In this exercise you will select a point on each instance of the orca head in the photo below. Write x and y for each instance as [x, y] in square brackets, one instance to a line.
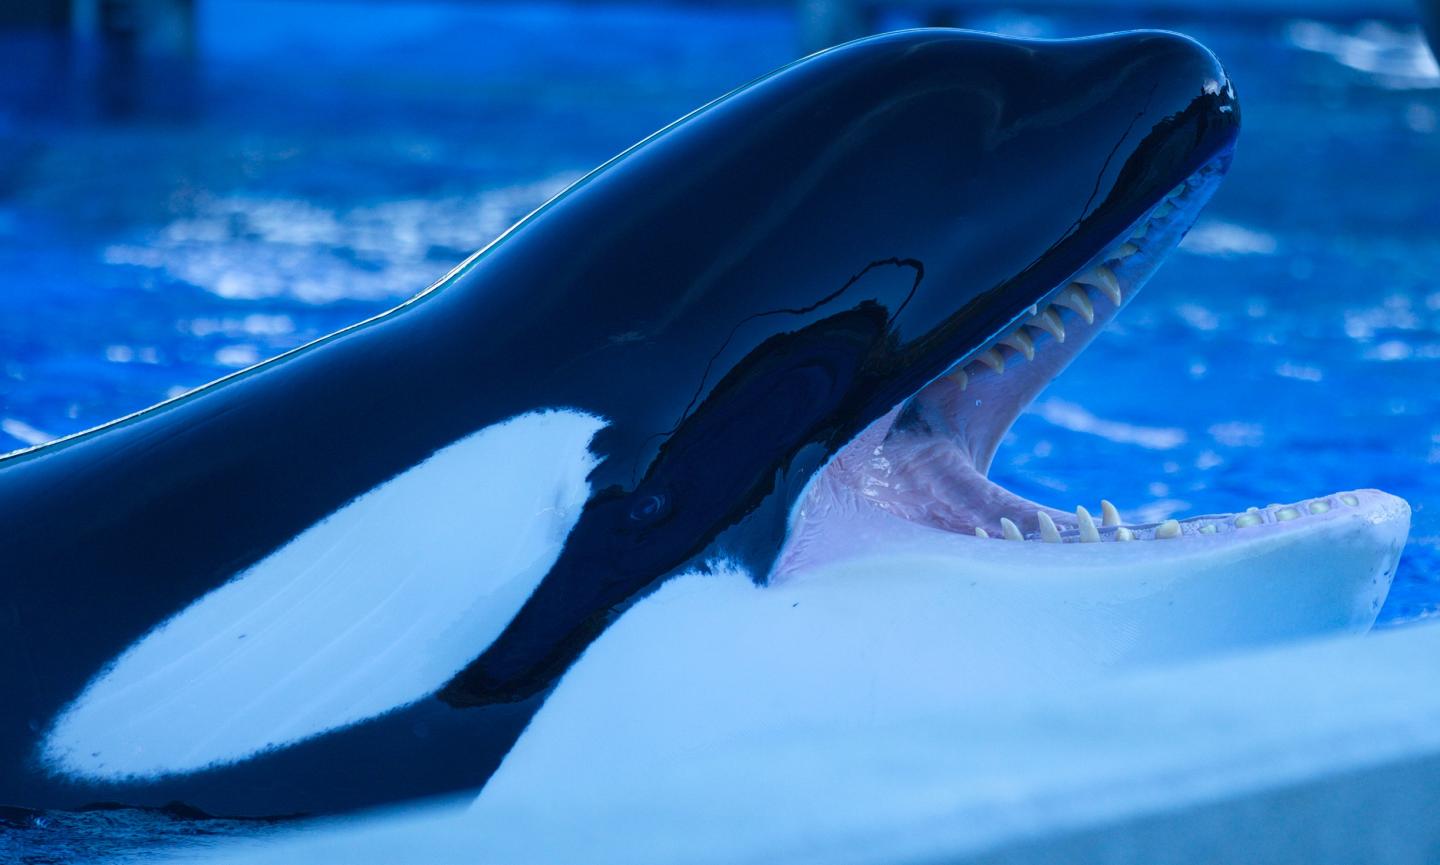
[1051, 241]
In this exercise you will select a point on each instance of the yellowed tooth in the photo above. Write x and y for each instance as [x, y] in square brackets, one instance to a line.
[1124, 534]
[1088, 533]
[1246, 520]
[1075, 298]
[1103, 278]
[1021, 342]
[1350, 500]
[1010, 530]
[1167, 529]
[960, 377]
[993, 359]
[981, 533]
[1049, 321]
[1109, 516]
[1287, 514]
[1048, 533]
[1319, 507]
[1208, 529]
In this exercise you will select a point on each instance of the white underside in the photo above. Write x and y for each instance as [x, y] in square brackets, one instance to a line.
[370, 610]
[921, 705]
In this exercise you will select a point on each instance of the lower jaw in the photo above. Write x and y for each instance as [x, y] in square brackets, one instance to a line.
[931, 481]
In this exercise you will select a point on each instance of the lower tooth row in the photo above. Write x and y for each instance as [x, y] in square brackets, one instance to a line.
[1089, 533]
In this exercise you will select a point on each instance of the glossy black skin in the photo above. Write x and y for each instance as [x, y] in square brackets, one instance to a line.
[739, 295]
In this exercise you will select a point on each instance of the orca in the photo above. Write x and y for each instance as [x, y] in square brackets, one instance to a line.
[774, 333]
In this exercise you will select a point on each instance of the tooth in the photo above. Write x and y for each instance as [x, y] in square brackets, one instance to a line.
[1104, 279]
[1167, 529]
[1350, 500]
[1021, 342]
[1162, 210]
[1049, 321]
[1088, 533]
[1140, 232]
[1208, 529]
[1124, 534]
[981, 533]
[1319, 507]
[1253, 510]
[1075, 298]
[1010, 530]
[1126, 250]
[1178, 191]
[992, 358]
[1247, 519]
[1108, 515]
[961, 378]
[1048, 533]
[1286, 514]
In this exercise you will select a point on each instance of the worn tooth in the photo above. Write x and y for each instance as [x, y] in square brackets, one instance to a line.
[1350, 500]
[1178, 191]
[1319, 507]
[1124, 534]
[1103, 278]
[981, 533]
[1049, 321]
[1246, 520]
[1088, 533]
[993, 359]
[1139, 233]
[1048, 533]
[1109, 516]
[1162, 210]
[1167, 529]
[1207, 529]
[960, 377]
[1021, 342]
[1075, 298]
[1287, 514]
[1010, 530]
[1126, 249]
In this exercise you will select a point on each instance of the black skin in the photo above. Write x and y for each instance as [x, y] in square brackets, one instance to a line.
[739, 296]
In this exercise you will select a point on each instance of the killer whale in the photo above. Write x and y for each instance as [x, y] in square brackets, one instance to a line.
[651, 369]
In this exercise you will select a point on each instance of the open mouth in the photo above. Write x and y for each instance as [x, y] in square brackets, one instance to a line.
[928, 462]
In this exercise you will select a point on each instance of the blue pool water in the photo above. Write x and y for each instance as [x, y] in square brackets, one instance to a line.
[165, 222]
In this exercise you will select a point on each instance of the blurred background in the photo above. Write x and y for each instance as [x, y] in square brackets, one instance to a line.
[188, 187]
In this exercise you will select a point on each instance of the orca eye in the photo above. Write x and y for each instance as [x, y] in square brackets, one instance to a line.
[649, 508]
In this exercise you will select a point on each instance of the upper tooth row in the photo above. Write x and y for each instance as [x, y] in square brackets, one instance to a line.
[1022, 339]
[1089, 533]
[1074, 297]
